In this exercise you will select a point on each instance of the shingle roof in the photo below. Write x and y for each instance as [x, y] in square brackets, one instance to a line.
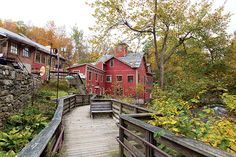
[132, 59]
[104, 58]
[22, 39]
[82, 64]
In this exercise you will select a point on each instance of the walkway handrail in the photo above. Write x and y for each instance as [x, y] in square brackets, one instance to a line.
[50, 139]
[136, 136]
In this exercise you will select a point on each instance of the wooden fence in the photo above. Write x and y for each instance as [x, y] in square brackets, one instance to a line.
[136, 136]
[49, 141]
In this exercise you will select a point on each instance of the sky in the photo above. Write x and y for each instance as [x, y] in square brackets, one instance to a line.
[69, 12]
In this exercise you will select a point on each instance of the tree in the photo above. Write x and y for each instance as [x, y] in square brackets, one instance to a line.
[171, 23]
[79, 44]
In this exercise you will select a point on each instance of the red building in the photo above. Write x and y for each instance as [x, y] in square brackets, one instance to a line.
[118, 74]
[29, 55]
[94, 77]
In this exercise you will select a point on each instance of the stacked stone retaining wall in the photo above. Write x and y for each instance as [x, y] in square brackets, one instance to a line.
[16, 87]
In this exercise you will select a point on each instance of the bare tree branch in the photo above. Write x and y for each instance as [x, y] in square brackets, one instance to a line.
[181, 41]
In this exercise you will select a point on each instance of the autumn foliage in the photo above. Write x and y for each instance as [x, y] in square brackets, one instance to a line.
[55, 37]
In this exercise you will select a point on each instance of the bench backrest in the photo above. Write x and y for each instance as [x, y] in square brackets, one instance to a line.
[100, 106]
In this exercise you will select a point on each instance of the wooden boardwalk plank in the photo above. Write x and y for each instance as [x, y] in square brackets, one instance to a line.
[86, 137]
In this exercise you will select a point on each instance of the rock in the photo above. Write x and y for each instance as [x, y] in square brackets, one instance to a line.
[15, 86]
[4, 109]
[9, 98]
[6, 72]
[1, 124]
[4, 92]
[13, 74]
[6, 82]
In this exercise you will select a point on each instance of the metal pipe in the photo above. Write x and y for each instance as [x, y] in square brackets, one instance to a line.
[50, 62]
[58, 62]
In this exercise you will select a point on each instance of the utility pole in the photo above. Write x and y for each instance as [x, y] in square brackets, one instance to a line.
[50, 63]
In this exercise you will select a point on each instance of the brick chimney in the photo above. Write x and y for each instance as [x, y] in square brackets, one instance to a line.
[121, 50]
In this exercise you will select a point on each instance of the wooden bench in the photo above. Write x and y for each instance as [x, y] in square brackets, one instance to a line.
[100, 107]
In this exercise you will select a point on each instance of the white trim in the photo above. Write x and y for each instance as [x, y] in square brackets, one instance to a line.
[128, 77]
[110, 80]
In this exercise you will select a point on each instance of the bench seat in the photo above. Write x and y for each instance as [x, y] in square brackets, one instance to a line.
[100, 107]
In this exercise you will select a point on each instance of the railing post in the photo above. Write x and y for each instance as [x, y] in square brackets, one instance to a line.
[150, 139]
[69, 104]
[135, 110]
[121, 106]
[121, 137]
[89, 100]
[82, 100]
[76, 101]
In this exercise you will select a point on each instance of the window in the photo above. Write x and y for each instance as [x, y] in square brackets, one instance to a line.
[130, 79]
[38, 57]
[14, 48]
[96, 76]
[26, 52]
[90, 75]
[101, 77]
[118, 78]
[43, 59]
[76, 71]
[108, 78]
[111, 63]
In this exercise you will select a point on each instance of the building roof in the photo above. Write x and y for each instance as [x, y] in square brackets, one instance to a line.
[25, 40]
[132, 59]
[22, 39]
[104, 58]
[83, 64]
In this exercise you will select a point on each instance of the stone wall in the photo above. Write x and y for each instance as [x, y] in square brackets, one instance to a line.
[16, 87]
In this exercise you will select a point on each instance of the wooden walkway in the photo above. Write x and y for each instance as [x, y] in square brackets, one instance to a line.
[86, 137]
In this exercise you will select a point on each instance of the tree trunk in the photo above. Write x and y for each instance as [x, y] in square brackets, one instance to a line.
[161, 67]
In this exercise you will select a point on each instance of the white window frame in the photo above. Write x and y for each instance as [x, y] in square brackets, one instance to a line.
[39, 57]
[128, 78]
[14, 48]
[121, 78]
[90, 72]
[26, 52]
[110, 78]
[43, 59]
[96, 77]
[101, 77]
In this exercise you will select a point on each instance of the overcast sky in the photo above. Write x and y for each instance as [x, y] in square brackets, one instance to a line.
[68, 12]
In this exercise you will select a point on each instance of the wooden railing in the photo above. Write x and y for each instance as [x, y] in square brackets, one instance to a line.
[136, 136]
[49, 141]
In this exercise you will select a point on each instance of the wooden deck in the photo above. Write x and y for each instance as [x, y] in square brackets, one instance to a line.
[86, 137]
